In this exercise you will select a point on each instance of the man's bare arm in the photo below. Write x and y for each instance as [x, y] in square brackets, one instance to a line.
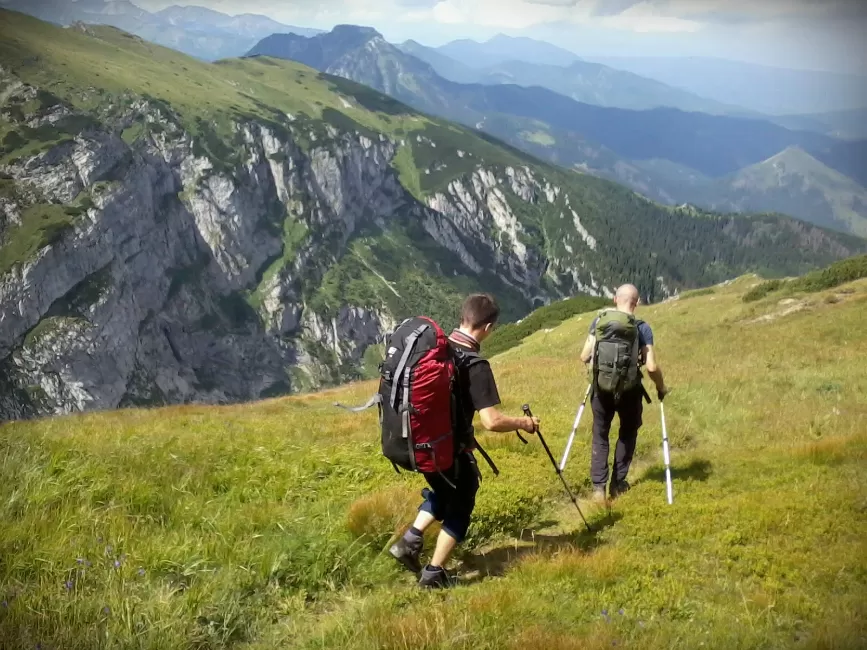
[587, 352]
[653, 369]
[493, 420]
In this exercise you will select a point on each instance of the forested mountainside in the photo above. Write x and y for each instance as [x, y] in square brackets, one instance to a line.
[173, 230]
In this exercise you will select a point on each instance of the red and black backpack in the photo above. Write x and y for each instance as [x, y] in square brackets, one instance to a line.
[417, 401]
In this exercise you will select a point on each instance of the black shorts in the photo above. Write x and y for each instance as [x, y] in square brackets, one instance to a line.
[453, 506]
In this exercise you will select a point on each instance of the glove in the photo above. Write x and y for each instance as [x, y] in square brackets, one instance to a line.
[660, 394]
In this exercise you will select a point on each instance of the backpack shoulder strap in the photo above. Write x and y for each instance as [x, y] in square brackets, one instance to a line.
[409, 346]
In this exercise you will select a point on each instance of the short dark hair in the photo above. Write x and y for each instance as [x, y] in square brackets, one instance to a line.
[478, 310]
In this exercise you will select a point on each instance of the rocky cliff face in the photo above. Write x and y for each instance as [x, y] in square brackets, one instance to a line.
[172, 276]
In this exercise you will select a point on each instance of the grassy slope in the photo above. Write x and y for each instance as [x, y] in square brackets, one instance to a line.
[239, 526]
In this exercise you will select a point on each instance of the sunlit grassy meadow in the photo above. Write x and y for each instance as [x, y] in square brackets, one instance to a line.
[264, 525]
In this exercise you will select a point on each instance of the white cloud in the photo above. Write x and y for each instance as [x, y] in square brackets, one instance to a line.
[648, 17]
[632, 15]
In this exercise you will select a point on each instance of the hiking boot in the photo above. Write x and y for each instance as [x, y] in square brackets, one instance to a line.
[618, 488]
[599, 495]
[407, 553]
[435, 578]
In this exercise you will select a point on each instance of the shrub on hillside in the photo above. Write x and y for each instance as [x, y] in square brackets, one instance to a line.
[510, 335]
[841, 272]
[761, 290]
[698, 293]
[838, 273]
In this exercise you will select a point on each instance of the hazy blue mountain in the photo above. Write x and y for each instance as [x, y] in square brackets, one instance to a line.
[593, 83]
[444, 65]
[197, 31]
[760, 88]
[712, 145]
[502, 48]
[251, 25]
[850, 125]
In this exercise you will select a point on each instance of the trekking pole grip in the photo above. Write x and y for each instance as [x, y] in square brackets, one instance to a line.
[518, 433]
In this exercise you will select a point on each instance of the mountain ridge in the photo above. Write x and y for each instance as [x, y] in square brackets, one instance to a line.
[501, 48]
[212, 36]
[255, 229]
[622, 144]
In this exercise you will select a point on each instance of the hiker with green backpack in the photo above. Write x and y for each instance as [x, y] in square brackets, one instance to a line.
[617, 346]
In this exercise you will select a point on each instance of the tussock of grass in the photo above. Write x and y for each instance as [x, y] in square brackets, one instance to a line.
[379, 515]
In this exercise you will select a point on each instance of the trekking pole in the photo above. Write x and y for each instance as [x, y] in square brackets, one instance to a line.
[574, 428]
[528, 413]
[665, 455]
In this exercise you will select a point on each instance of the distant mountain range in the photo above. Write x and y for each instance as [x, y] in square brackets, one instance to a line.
[549, 102]
[653, 151]
[591, 83]
[173, 230]
[502, 49]
[197, 31]
[775, 91]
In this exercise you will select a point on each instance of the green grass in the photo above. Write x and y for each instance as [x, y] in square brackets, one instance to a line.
[41, 226]
[264, 525]
[133, 133]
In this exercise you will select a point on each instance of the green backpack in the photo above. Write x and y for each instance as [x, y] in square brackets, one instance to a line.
[615, 356]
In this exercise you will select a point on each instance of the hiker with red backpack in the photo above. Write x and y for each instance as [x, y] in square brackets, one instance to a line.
[431, 386]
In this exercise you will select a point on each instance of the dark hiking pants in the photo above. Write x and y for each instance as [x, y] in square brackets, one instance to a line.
[629, 409]
[453, 506]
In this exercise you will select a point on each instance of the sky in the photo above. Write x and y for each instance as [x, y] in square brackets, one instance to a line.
[810, 34]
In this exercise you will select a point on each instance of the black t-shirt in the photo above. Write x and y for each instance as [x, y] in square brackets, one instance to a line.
[477, 389]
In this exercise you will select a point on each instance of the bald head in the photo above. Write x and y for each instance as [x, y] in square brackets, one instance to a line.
[626, 298]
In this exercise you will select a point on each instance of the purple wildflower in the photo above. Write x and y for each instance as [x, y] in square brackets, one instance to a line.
[117, 564]
[69, 584]
[621, 612]
[604, 612]
[141, 571]
[4, 604]
[106, 610]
